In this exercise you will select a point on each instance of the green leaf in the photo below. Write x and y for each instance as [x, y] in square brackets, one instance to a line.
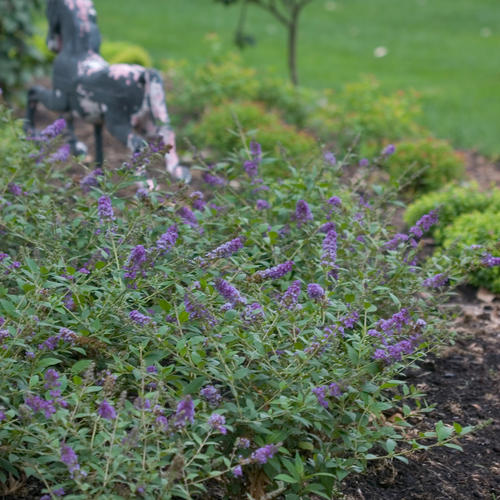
[45, 362]
[81, 366]
[390, 445]
[194, 386]
[454, 446]
[306, 445]
[286, 478]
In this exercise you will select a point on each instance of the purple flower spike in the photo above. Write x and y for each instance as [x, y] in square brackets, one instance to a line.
[184, 412]
[211, 394]
[329, 157]
[217, 422]
[226, 250]
[389, 150]
[238, 471]
[262, 455]
[302, 212]
[315, 291]
[489, 261]
[104, 208]
[168, 239]
[106, 411]
[276, 272]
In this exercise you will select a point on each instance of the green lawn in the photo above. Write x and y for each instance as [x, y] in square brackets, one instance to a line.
[449, 50]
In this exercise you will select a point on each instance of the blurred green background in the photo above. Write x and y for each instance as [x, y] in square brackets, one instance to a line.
[448, 50]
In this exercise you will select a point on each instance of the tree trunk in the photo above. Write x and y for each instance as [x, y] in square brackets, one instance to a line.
[292, 46]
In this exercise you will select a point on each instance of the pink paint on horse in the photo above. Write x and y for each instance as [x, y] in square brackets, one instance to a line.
[93, 63]
[127, 71]
[157, 97]
[84, 12]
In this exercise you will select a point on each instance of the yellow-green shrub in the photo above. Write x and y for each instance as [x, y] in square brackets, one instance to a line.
[476, 228]
[125, 53]
[219, 129]
[431, 163]
[452, 201]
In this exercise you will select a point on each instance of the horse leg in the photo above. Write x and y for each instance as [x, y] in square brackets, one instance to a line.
[99, 155]
[77, 147]
[53, 100]
[177, 171]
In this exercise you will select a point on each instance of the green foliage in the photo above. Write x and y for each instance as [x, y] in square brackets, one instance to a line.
[452, 201]
[18, 58]
[125, 53]
[68, 265]
[476, 228]
[222, 127]
[428, 163]
[366, 111]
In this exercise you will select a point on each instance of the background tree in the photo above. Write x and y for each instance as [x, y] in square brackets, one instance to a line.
[287, 13]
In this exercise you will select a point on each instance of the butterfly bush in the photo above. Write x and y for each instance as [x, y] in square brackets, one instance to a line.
[204, 351]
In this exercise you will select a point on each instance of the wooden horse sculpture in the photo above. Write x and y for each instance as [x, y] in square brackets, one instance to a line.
[123, 97]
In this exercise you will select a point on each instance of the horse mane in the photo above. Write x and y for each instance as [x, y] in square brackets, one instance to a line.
[84, 12]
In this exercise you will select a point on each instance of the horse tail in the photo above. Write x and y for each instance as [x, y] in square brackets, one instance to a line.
[155, 96]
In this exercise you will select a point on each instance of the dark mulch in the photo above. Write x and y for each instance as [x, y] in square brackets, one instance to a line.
[464, 383]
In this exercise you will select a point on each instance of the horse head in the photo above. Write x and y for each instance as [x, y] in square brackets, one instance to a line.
[73, 22]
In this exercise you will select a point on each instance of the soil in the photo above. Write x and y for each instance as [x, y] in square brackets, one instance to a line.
[463, 382]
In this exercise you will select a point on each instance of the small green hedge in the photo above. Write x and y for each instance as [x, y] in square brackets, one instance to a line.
[476, 228]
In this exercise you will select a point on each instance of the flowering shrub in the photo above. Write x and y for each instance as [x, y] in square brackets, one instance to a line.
[452, 201]
[176, 345]
[428, 164]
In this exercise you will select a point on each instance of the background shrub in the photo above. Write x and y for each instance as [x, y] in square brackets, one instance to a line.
[476, 228]
[219, 129]
[125, 53]
[452, 201]
[428, 163]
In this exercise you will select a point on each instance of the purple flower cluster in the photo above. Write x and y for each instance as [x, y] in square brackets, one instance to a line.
[253, 313]
[290, 298]
[198, 200]
[139, 318]
[213, 180]
[197, 310]
[15, 189]
[252, 166]
[217, 422]
[38, 404]
[52, 379]
[397, 239]
[64, 335]
[188, 217]
[136, 262]
[106, 411]
[329, 255]
[168, 239]
[90, 180]
[265, 453]
[212, 395]
[389, 150]
[61, 155]
[394, 352]
[329, 158]
[262, 205]
[395, 323]
[315, 291]
[351, 319]
[302, 213]
[323, 391]
[226, 250]
[69, 458]
[276, 272]
[229, 292]
[489, 261]
[425, 223]
[105, 209]
[53, 130]
[436, 281]
[184, 412]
